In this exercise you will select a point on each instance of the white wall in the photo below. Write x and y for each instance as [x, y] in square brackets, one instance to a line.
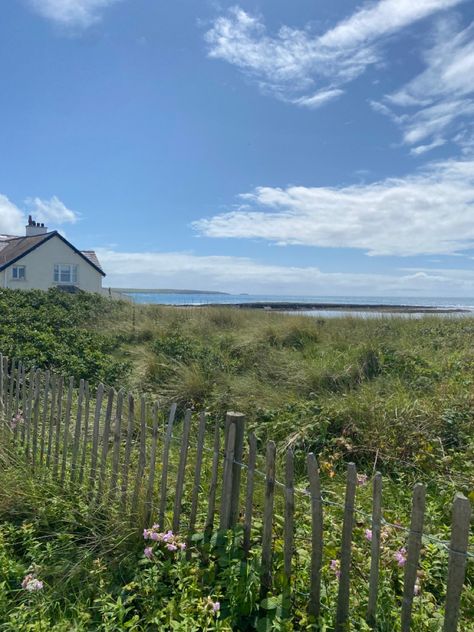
[39, 266]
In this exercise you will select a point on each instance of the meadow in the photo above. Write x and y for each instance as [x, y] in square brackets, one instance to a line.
[393, 395]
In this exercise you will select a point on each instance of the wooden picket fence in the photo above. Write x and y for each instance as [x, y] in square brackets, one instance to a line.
[119, 449]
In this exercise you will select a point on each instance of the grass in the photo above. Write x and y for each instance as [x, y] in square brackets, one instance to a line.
[391, 394]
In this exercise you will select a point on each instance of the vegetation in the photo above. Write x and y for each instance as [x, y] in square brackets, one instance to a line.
[390, 394]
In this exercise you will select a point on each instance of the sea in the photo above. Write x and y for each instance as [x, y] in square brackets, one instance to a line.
[200, 299]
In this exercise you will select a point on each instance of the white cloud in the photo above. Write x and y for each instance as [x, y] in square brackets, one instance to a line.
[290, 64]
[52, 210]
[439, 102]
[71, 13]
[240, 274]
[430, 212]
[11, 218]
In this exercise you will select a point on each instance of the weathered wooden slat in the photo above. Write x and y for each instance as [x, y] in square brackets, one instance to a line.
[141, 458]
[2, 402]
[197, 477]
[458, 547]
[19, 380]
[413, 554]
[44, 417]
[57, 428]
[36, 414]
[95, 436]
[289, 528]
[67, 421]
[117, 433]
[252, 460]
[342, 612]
[314, 605]
[266, 566]
[227, 478]
[238, 419]
[128, 449]
[11, 387]
[16, 408]
[183, 457]
[54, 388]
[85, 442]
[77, 431]
[27, 426]
[152, 468]
[375, 549]
[164, 470]
[288, 536]
[105, 444]
[211, 506]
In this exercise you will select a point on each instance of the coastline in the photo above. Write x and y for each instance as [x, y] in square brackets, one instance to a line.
[338, 307]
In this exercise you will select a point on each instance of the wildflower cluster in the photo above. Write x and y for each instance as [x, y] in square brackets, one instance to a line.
[211, 606]
[17, 420]
[31, 583]
[167, 539]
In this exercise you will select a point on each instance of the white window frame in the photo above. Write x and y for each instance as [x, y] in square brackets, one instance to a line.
[60, 269]
[16, 276]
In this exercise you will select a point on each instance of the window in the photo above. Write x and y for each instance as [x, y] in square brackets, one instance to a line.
[19, 273]
[65, 273]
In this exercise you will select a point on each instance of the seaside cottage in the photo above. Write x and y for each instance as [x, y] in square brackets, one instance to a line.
[41, 260]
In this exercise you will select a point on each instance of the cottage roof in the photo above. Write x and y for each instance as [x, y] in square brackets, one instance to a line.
[13, 249]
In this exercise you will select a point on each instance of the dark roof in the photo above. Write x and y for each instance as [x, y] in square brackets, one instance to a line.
[15, 248]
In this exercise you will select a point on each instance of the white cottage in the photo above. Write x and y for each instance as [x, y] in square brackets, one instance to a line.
[43, 259]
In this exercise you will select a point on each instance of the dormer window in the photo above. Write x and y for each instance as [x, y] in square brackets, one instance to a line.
[19, 273]
[65, 273]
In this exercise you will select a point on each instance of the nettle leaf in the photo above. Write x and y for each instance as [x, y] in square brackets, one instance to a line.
[271, 603]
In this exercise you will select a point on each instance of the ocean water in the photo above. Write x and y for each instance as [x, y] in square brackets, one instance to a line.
[232, 299]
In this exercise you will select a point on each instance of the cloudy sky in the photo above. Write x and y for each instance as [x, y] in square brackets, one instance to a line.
[262, 146]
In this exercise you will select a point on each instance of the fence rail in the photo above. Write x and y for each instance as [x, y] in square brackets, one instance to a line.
[119, 449]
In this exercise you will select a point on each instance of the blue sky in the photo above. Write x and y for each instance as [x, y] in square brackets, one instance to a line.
[305, 147]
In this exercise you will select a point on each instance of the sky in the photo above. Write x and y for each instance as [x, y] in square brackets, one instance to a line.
[262, 146]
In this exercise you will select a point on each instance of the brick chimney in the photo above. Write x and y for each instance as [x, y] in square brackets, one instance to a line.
[35, 228]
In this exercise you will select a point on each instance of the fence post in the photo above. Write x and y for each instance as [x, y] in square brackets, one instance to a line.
[413, 554]
[375, 549]
[266, 573]
[342, 613]
[314, 605]
[238, 419]
[457, 560]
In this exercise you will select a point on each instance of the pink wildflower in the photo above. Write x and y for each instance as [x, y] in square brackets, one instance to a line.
[167, 536]
[400, 556]
[368, 535]
[335, 566]
[212, 606]
[154, 536]
[148, 552]
[171, 547]
[31, 584]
